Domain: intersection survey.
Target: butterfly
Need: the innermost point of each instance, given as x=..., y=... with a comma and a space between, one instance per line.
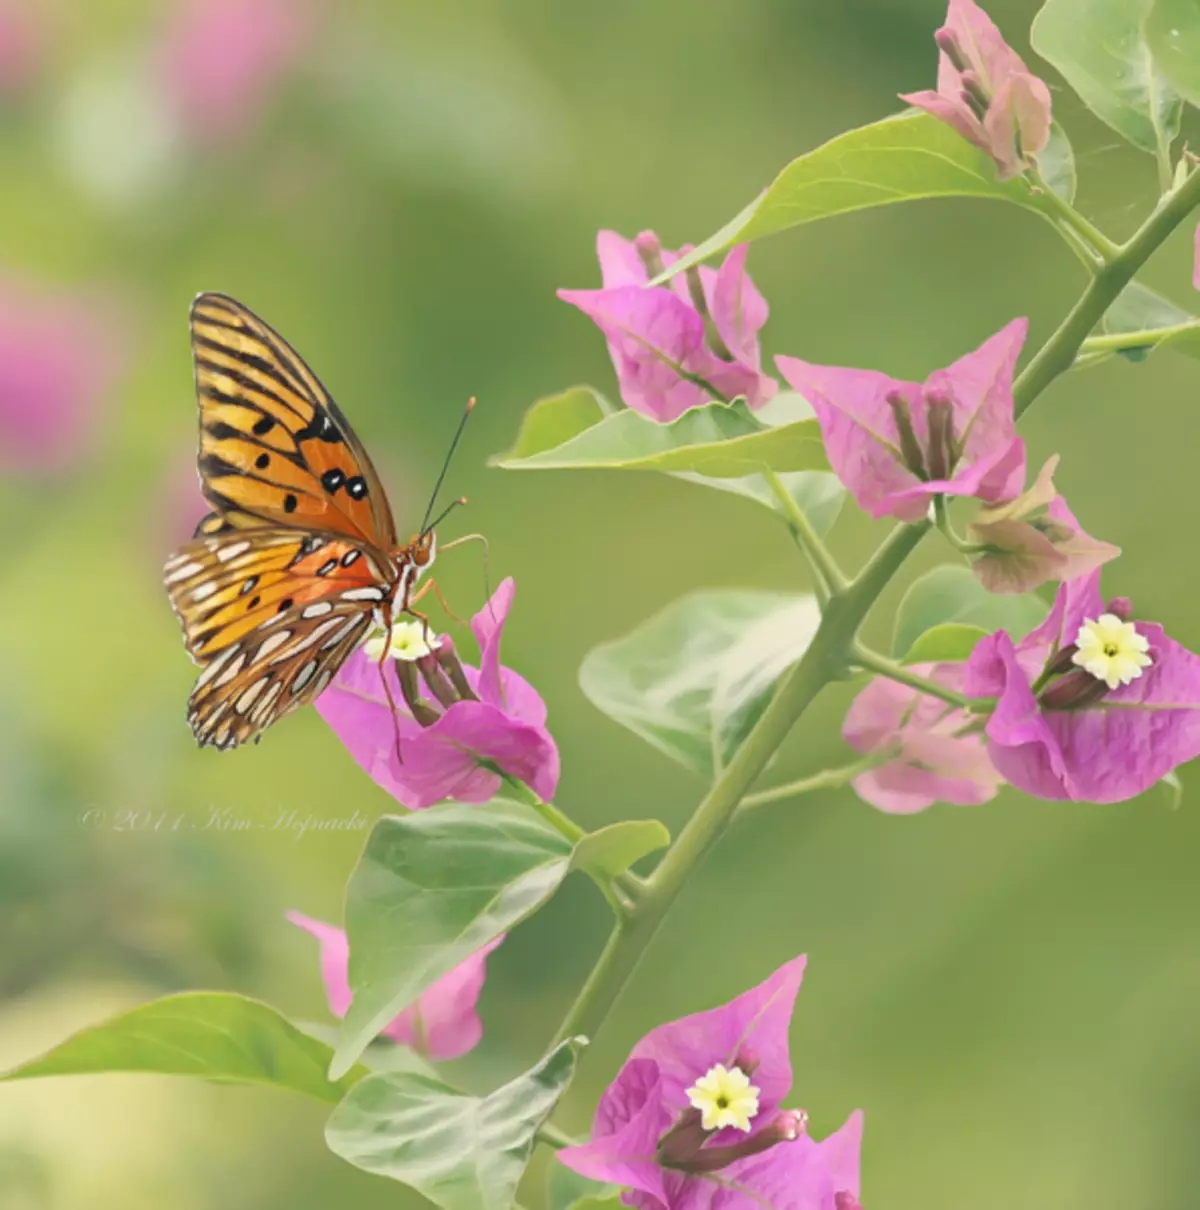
x=299, y=559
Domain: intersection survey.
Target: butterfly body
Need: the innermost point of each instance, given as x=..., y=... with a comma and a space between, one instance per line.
x=299, y=560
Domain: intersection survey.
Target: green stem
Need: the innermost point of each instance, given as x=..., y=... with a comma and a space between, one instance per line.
x=818, y=554
x=553, y=1137
x=941, y=518
x=1058, y=353
x=827, y=779
x=824, y=660
x=1147, y=338
x=872, y=661
x=1094, y=240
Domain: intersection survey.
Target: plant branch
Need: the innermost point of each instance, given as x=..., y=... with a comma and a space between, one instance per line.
x=823, y=563
x=1147, y=338
x=1087, y=233
x=827, y=779
x=872, y=661
x=1058, y=353
x=823, y=662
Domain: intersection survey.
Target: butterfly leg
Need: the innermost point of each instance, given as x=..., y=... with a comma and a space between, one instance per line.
x=387, y=689
x=431, y=585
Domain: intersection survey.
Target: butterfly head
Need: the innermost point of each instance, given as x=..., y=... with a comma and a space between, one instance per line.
x=422, y=550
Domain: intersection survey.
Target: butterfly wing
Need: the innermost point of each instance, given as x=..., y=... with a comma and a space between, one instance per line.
x=270, y=614
x=273, y=445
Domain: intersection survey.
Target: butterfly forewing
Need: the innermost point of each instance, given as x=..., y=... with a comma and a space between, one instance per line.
x=273, y=444
x=270, y=614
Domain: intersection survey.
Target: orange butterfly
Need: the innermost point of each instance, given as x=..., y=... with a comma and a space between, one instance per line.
x=299, y=557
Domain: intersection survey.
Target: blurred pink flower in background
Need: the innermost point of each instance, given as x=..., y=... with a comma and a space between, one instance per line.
x=223, y=61
x=59, y=357
x=443, y=1023
x=24, y=40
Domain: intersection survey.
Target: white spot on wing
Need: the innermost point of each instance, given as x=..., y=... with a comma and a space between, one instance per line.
x=271, y=643
x=247, y=696
x=316, y=609
x=225, y=553
x=363, y=594
x=182, y=573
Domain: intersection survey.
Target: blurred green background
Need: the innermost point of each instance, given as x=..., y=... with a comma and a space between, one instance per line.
x=1009, y=991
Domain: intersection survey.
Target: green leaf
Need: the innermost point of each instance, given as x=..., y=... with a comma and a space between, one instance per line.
x=215, y=1035
x=721, y=440
x=612, y=850
x=461, y=1152
x=567, y=1190
x=1056, y=163
x=1140, y=309
x=1173, y=35
x=949, y=643
x=554, y=420
x=1100, y=48
x=433, y=887
x=695, y=678
x=951, y=594
x=818, y=494
x=904, y=158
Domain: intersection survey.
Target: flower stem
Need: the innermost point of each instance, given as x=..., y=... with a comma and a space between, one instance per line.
x=872, y=661
x=553, y=1137
x=821, y=559
x=821, y=663
x=1147, y=338
x=1058, y=353
x=827, y=779
x=1102, y=248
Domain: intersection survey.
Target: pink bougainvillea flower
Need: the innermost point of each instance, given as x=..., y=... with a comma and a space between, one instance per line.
x=693, y=1117
x=1091, y=706
x=58, y=362
x=223, y=61
x=985, y=91
x=937, y=755
x=679, y=345
x=442, y=1024
x=24, y=38
x=460, y=727
x=1032, y=539
x=896, y=444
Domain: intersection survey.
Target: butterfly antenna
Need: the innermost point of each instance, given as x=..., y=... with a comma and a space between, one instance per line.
x=443, y=515
x=437, y=487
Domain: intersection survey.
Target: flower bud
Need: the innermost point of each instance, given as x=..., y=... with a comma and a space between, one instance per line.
x=748, y=1060
x=947, y=43
x=910, y=447
x=447, y=657
x=974, y=94
x=683, y=1141
x=787, y=1127
x=438, y=682
x=650, y=250
x=940, y=419
x=1075, y=691
x=712, y=337
x=844, y=1200
x=424, y=712
x=1122, y=607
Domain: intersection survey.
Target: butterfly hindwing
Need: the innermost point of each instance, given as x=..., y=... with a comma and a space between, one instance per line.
x=270, y=614
x=273, y=444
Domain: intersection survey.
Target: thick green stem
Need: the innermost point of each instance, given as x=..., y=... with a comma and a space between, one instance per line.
x=1058, y=353
x=824, y=660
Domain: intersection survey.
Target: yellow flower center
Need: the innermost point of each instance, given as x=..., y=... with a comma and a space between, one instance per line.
x=1111, y=650
x=725, y=1097
x=408, y=642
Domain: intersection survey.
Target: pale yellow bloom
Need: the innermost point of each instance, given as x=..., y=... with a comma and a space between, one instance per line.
x=725, y=1097
x=408, y=642
x=1111, y=650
